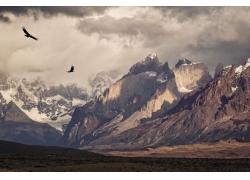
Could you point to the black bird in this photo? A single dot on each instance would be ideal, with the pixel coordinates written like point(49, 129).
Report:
point(71, 70)
point(28, 34)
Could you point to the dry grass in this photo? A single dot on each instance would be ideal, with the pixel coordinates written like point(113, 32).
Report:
point(15, 157)
point(221, 149)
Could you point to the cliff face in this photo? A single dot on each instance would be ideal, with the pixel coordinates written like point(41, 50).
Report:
point(190, 75)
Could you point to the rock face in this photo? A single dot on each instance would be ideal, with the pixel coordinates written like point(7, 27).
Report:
point(16, 126)
point(220, 110)
point(218, 69)
point(148, 90)
point(190, 75)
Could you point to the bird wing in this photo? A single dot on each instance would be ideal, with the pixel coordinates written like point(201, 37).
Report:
point(72, 68)
point(25, 31)
point(33, 37)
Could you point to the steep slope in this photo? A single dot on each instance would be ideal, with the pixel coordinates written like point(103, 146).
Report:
point(190, 75)
point(148, 90)
point(16, 126)
point(219, 110)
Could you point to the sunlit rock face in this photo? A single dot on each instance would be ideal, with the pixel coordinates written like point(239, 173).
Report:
point(147, 90)
point(190, 75)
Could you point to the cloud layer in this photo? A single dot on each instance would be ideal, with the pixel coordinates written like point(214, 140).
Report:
point(94, 39)
point(50, 11)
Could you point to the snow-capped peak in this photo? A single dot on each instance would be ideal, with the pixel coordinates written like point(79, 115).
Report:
point(152, 56)
point(242, 68)
point(184, 62)
point(226, 70)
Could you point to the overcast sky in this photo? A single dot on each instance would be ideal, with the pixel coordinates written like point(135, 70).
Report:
point(95, 39)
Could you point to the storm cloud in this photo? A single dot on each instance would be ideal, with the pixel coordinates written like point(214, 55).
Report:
point(4, 19)
point(205, 34)
point(51, 11)
point(96, 39)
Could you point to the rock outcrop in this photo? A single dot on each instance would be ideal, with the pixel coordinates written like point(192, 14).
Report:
point(190, 75)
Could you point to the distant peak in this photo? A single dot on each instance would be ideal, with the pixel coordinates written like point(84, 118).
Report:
point(152, 56)
point(185, 62)
point(151, 63)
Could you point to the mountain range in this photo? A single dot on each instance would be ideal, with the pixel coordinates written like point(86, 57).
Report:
point(150, 106)
point(115, 118)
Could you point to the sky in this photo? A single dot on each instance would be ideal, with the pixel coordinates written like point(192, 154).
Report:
point(104, 38)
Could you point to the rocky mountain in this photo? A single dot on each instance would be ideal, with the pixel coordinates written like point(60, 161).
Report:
point(190, 75)
point(219, 110)
point(147, 91)
point(16, 126)
point(218, 69)
point(42, 103)
point(101, 81)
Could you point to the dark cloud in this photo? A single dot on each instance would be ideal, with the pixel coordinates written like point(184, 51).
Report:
point(4, 19)
point(110, 25)
point(130, 30)
point(203, 34)
point(185, 13)
point(49, 11)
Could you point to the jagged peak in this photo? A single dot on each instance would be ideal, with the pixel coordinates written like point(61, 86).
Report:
point(151, 63)
point(152, 56)
point(184, 62)
point(242, 68)
point(218, 69)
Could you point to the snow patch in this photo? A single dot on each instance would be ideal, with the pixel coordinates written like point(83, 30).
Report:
point(162, 79)
point(151, 73)
point(234, 88)
point(78, 102)
point(242, 68)
point(183, 89)
point(190, 63)
point(226, 70)
point(152, 56)
point(7, 95)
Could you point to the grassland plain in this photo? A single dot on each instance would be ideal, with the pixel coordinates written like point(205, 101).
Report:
point(16, 157)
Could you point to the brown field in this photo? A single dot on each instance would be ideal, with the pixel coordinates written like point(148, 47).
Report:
point(233, 156)
point(222, 149)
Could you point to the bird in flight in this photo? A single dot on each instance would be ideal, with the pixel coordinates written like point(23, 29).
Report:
point(28, 34)
point(71, 70)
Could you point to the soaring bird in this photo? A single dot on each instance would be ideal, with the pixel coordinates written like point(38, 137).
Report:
point(28, 34)
point(71, 70)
